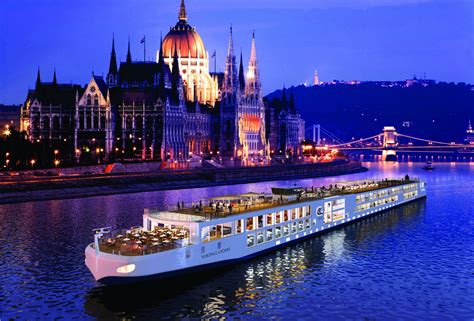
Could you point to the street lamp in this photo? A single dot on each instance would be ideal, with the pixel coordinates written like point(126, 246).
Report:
point(32, 162)
point(56, 163)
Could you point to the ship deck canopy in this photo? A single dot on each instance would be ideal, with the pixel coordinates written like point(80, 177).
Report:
point(287, 190)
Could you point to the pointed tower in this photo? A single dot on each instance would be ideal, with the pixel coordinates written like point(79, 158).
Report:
point(112, 76)
point(161, 66)
point(129, 55)
point(230, 83)
point(55, 79)
point(291, 104)
point(241, 74)
point(182, 12)
point(38, 79)
point(253, 86)
point(175, 76)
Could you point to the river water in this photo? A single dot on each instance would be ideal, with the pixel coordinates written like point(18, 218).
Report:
point(413, 262)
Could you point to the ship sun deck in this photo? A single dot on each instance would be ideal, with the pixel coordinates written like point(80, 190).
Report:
point(218, 207)
point(184, 224)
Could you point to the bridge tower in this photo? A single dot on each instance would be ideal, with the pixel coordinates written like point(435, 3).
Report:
point(390, 144)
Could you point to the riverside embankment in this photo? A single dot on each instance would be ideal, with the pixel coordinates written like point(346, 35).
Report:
point(30, 188)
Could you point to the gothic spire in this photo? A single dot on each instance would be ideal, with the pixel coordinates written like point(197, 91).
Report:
point(55, 80)
point(291, 104)
point(113, 59)
point(38, 79)
point(182, 12)
point(253, 78)
point(175, 74)
point(129, 55)
point(241, 73)
point(230, 84)
point(161, 64)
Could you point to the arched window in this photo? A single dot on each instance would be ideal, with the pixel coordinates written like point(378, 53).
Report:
point(56, 123)
point(149, 123)
point(129, 123)
point(89, 100)
point(88, 120)
point(46, 125)
point(96, 120)
point(96, 100)
point(36, 122)
point(139, 123)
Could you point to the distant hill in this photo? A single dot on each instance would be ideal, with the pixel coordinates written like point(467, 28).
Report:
point(438, 111)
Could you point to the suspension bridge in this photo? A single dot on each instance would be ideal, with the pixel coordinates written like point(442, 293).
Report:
point(389, 142)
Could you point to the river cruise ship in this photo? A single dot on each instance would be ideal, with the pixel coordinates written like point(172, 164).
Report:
point(225, 229)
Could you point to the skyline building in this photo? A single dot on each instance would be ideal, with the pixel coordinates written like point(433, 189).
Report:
point(169, 109)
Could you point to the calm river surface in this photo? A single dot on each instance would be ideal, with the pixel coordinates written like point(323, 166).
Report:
point(414, 262)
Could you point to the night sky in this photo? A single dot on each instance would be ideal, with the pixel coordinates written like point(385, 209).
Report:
point(342, 39)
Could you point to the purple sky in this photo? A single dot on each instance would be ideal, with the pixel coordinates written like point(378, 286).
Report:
point(343, 39)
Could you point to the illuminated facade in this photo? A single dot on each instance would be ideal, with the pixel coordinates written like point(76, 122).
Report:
point(470, 134)
point(193, 60)
point(242, 109)
point(172, 109)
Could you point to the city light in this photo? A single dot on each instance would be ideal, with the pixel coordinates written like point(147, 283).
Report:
point(56, 163)
point(32, 162)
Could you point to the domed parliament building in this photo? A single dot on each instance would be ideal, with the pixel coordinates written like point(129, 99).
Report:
point(172, 109)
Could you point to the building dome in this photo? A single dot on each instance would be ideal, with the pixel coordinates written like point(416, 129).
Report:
point(188, 42)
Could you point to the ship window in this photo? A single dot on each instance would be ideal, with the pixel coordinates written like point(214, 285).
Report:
point(319, 211)
point(250, 225)
point(277, 232)
point(260, 238)
point(250, 240)
point(293, 214)
point(293, 227)
point(259, 221)
point(285, 216)
point(269, 235)
point(278, 217)
point(239, 226)
point(308, 210)
point(270, 219)
point(286, 229)
point(314, 222)
point(300, 226)
point(226, 229)
point(308, 225)
point(205, 234)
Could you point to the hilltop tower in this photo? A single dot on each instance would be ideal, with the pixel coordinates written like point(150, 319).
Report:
point(316, 78)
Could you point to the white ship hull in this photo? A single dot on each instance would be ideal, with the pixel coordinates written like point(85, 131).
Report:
point(105, 266)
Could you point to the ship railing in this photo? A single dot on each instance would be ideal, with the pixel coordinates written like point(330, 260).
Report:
point(138, 242)
point(211, 209)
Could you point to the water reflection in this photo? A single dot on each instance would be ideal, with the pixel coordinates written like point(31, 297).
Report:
point(247, 286)
point(414, 262)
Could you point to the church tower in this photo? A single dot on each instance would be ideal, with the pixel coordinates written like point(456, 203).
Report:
point(112, 76)
point(251, 114)
point(230, 95)
point(253, 87)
